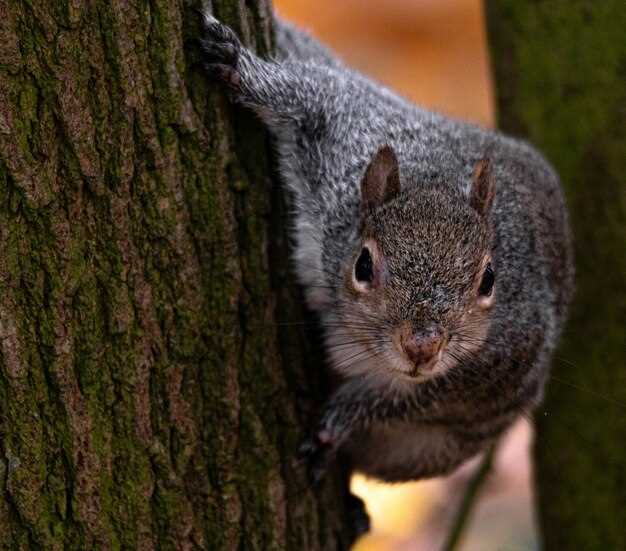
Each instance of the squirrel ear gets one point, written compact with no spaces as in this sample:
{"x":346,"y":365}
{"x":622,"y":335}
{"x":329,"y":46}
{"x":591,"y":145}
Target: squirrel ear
{"x":483,"y":187}
{"x":382,"y":179}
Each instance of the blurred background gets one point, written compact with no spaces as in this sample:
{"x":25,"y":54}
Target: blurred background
{"x":435,"y":53}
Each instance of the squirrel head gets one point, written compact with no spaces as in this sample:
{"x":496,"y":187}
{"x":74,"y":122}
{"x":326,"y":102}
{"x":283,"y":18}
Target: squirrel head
{"x":418,"y":290}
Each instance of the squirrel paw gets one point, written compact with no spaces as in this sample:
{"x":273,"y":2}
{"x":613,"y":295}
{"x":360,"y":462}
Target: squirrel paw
{"x":220,"y":51}
{"x":318,"y":453}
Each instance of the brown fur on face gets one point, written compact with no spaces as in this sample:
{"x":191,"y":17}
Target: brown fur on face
{"x":417,"y":285}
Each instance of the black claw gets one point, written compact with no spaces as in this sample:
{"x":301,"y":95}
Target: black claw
{"x":304,"y":450}
{"x":223,"y":73}
{"x":219,"y":51}
{"x":216,"y":30}
{"x":222,"y":33}
{"x":317,"y":455}
{"x":316,"y":475}
{"x":308,"y":450}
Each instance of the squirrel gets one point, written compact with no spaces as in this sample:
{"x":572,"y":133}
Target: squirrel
{"x":437,"y":255}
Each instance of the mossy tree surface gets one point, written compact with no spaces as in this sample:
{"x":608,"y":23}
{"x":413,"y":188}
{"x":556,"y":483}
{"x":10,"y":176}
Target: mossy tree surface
{"x":147,"y":398}
{"x":560,"y":74}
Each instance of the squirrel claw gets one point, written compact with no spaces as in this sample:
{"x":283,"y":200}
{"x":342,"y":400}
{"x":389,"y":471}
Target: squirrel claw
{"x":223,"y":73}
{"x":220,"y":51}
{"x":317,"y":452}
{"x":216,"y":31}
{"x":223,"y":52}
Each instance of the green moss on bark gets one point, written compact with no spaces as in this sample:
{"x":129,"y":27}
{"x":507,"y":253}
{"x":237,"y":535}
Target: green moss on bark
{"x":147,"y":398}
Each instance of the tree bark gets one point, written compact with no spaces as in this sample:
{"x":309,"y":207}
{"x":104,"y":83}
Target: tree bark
{"x":149,"y":396}
{"x":560,"y":73}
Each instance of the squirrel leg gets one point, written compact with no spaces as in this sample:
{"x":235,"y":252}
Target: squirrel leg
{"x":351,"y":409}
{"x":267,"y":87}
{"x":340,"y":418}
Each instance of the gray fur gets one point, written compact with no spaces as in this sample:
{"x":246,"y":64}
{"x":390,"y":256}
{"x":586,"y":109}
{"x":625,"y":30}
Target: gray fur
{"x":328,"y":123}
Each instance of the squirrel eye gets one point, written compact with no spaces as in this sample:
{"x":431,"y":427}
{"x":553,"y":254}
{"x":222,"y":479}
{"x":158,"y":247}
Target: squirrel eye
{"x":363,"y":269}
{"x":486,"y":285}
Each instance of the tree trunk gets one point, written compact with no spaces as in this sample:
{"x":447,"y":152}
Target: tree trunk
{"x":148,"y":396}
{"x":560,"y":73}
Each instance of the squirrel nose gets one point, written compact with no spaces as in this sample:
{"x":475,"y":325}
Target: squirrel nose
{"x":423,"y":346}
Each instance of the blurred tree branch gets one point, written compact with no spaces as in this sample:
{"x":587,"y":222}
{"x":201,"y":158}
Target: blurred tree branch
{"x":469,"y":500}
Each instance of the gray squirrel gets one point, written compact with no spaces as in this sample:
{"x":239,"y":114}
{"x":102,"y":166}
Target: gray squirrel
{"x":436,"y":253}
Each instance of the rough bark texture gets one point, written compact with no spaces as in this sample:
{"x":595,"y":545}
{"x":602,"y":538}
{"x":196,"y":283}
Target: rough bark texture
{"x":148,"y":397}
{"x":560,"y":73}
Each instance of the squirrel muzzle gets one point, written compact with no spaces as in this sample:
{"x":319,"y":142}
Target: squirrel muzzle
{"x":422,"y":348}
